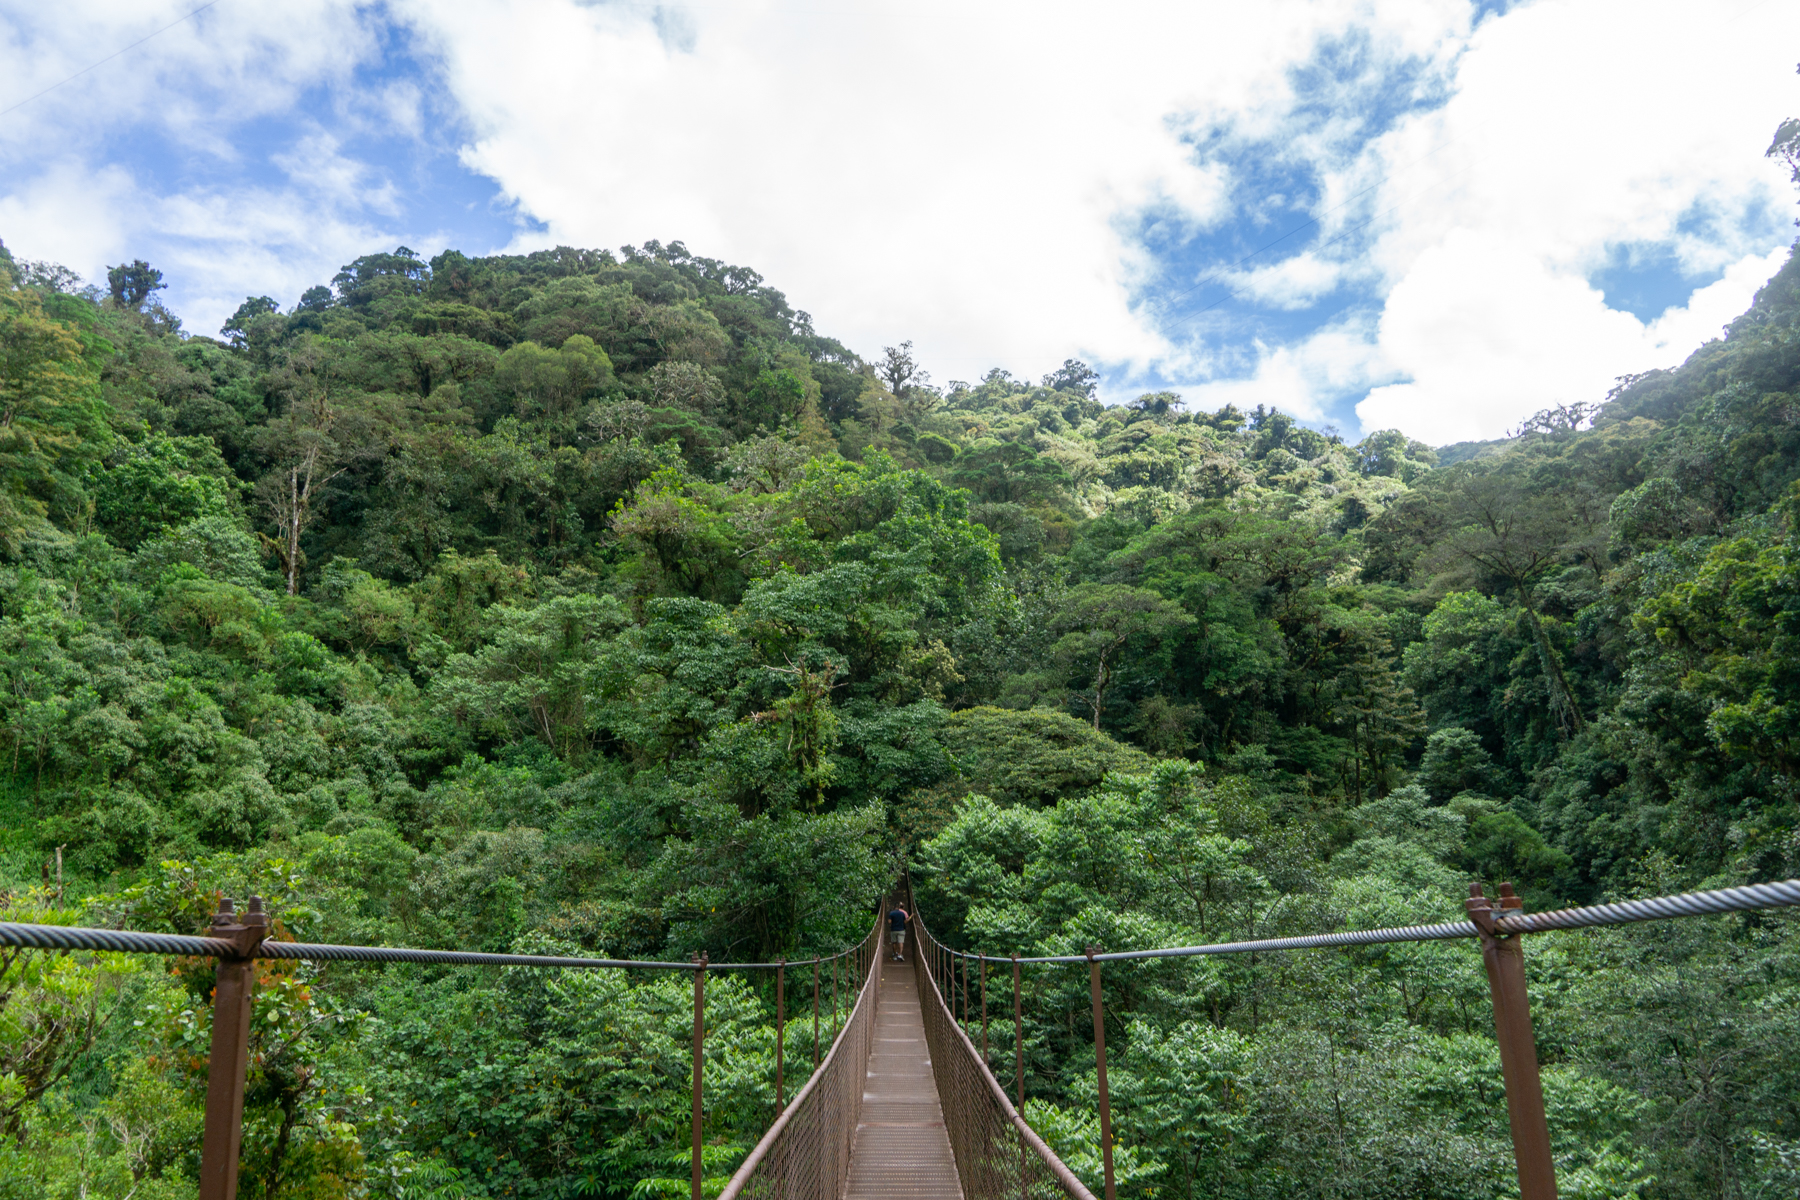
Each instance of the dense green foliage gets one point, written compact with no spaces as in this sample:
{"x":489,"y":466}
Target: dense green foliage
{"x":597,"y":603}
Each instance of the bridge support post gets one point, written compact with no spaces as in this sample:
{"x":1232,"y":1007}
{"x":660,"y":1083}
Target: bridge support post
{"x":815,"y":1014}
{"x":780,"y":1027}
{"x":1504,"y":957}
{"x":965,"y":990}
{"x":1018,"y":1032}
{"x":227,"y":1064}
{"x":984,"y":1054}
{"x":1106,"y":1137}
{"x":699,"y":1048}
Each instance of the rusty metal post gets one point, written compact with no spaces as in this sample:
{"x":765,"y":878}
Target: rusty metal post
{"x":1504,"y":957}
{"x":836,"y":1023}
{"x":1106,"y":1139}
{"x":699,"y":1044}
{"x":984,"y":1056}
{"x":780,"y":1026}
{"x":1018,"y":1032}
{"x":966,"y":1000}
{"x":815,"y":1014}
{"x":229,"y":1061}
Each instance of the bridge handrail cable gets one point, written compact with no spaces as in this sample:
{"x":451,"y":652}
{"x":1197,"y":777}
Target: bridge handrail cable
{"x":1498,"y":923}
{"x":242,"y":940}
{"x":1783,"y":894}
{"x":977,"y":1113}
{"x":821,"y":1119}
{"x":131,"y":941}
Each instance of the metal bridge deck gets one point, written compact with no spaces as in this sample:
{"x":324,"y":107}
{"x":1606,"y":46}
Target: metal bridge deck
{"x":901,"y":1151}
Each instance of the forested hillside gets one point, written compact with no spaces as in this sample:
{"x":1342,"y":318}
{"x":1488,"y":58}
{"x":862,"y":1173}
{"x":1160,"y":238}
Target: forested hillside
{"x":596,"y":603}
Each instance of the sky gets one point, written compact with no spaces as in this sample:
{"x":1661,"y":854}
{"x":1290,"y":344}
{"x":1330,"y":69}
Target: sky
{"x":1433,"y":215}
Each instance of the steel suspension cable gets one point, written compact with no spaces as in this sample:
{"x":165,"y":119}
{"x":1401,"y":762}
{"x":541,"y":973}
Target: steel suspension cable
{"x":128,"y":941}
{"x":1750,"y":897}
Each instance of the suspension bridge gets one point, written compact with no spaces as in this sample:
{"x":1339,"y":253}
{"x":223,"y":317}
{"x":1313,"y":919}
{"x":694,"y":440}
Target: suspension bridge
{"x":904,"y":1104}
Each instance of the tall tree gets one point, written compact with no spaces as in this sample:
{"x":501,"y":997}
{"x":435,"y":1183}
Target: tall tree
{"x":238,"y":324}
{"x":52,"y":418}
{"x":1074,"y":376}
{"x":1512,"y":532}
{"x":1011,"y":472}
{"x":132,"y":284}
{"x":898,"y":368}
{"x":303,"y":443}
{"x":1100,"y":623}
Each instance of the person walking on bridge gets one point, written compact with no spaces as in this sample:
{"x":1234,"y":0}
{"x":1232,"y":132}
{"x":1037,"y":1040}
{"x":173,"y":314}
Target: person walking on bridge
{"x":897,"y":922}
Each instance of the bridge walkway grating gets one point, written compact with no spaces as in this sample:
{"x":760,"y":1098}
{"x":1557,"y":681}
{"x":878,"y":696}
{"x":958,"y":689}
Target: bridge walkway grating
{"x":901,"y":1151}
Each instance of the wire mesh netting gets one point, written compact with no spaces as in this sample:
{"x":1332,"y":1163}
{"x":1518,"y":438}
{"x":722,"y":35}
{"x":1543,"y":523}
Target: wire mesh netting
{"x":997,"y":1153}
{"x":805,"y":1155}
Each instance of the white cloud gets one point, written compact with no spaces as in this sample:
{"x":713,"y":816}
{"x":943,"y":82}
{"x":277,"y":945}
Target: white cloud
{"x":68,"y":213}
{"x":318,"y":169}
{"x":948,"y":173}
{"x":1293,"y":283}
{"x":223,"y":243}
{"x":193,"y":80}
{"x":1490,"y":334}
{"x":1299,"y":378}
{"x":249,"y":241}
{"x":1711,"y":308}
{"x":84,"y":164}
{"x":227,"y":243}
{"x":1575,"y":128}
{"x":958,"y":175}
{"x":975,"y":178}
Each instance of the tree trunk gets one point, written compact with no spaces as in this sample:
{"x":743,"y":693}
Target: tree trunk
{"x":293,"y":533}
{"x":1560,"y":691}
{"x":1103,"y":677}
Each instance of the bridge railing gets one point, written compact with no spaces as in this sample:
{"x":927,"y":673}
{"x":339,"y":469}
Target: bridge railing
{"x":1499,"y":925}
{"x":998,"y":1156}
{"x":238,"y":940}
{"x":805,"y":1155}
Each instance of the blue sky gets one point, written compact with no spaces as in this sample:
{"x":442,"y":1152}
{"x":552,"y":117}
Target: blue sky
{"x":1475,"y":211}
{"x":1280,"y":206}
